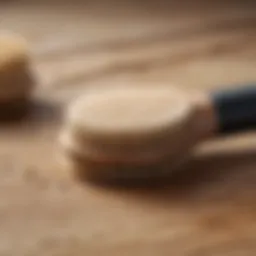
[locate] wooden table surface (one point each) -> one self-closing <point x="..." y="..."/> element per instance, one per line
<point x="209" y="209"/>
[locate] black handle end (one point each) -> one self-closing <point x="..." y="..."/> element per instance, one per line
<point x="236" y="109"/>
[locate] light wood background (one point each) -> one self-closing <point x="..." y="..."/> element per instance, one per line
<point x="209" y="209"/>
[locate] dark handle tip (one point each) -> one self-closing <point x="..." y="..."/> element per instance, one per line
<point x="236" y="109"/>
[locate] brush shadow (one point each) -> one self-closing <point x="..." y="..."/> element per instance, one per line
<point x="45" y="111"/>
<point x="37" y="113"/>
<point x="214" y="171"/>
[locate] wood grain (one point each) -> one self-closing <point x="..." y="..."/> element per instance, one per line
<point x="207" y="209"/>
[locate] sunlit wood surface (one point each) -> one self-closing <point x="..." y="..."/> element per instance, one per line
<point x="209" y="209"/>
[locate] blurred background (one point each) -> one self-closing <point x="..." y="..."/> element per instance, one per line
<point x="199" y="44"/>
<point x="202" y="45"/>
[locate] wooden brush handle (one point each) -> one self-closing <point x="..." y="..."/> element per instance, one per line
<point x="235" y="109"/>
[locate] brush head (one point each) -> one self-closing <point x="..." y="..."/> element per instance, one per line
<point x="128" y="130"/>
<point x="13" y="51"/>
<point x="16" y="81"/>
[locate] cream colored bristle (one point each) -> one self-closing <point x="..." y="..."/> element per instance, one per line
<point x="127" y="126"/>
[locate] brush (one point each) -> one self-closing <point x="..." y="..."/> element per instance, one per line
<point x="144" y="132"/>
